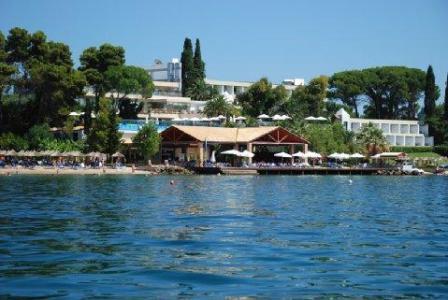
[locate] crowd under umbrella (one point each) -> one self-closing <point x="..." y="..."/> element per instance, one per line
<point x="299" y="154"/>
<point x="263" y="116"/>
<point x="118" y="155"/>
<point x="356" y="155"/>
<point x="246" y="153"/>
<point x="231" y="152"/>
<point x="283" y="155"/>
<point x="311" y="154"/>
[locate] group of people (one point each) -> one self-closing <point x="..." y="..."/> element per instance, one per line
<point x="59" y="163"/>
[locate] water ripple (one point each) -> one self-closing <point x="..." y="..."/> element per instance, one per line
<point x="234" y="237"/>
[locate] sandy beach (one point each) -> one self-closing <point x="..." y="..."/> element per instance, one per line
<point x="67" y="171"/>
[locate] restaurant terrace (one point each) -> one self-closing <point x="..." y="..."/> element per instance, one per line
<point x="198" y="143"/>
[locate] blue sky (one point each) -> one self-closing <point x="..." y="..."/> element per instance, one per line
<point x="245" y="40"/>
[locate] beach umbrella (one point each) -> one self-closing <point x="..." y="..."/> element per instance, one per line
<point x="30" y="153"/>
<point x="311" y="118"/>
<point x="334" y="155"/>
<point x="55" y="154"/>
<point x="213" y="156"/>
<point x="263" y="116"/>
<point x="11" y="153"/>
<point x="118" y="154"/>
<point x="3" y="152"/>
<point x="221" y="117"/>
<point x="21" y="153"/>
<point x="46" y="153"/>
<point x="215" y="119"/>
<point x="344" y="156"/>
<point x="240" y="118"/>
<point x="299" y="154"/>
<point x="356" y="155"/>
<point x="277" y="118"/>
<point x="283" y="155"/>
<point x="91" y="154"/>
<point x="246" y="153"/>
<point x="311" y="154"/>
<point x="74" y="114"/>
<point x="75" y="154"/>
<point x="285" y="117"/>
<point x="231" y="152"/>
<point x="321" y="119"/>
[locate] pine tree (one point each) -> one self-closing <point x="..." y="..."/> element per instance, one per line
<point x="430" y="98"/>
<point x="198" y="64"/>
<point x="187" y="65"/>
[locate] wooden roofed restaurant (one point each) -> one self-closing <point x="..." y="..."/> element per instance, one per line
<point x="200" y="143"/>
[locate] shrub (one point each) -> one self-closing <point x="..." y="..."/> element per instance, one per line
<point x="9" y="141"/>
<point x="409" y="149"/>
<point x="441" y="149"/>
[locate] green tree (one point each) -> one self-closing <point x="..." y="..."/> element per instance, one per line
<point x="200" y="91"/>
<point x="446" y="101"/>
<point x="198" y="64"/>
<point x="147" y="140"/>
<point x="121" y="81"/>
<point x="37" y="135"/>
<point x="6" y="70"/>
<point x="94" y="64"/>
<point x="113" y="135"/>
<point x="308" y="100"/>
<point x="104" y="135"/>
<point x="217" y="106"/>
<point x="392" y="92"/>
<point x="261" y="98"/>
<point x="347" y="87"/>
<point x="187" y="66"/>
<point x="129" y="109"/>
<point x="432" y="93"/>
<point x="371" y="139"/>
<point x="325" y="138"/>
<point x="10" y="141"/>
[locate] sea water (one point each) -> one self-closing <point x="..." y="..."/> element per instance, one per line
<point x="223" y="236"/>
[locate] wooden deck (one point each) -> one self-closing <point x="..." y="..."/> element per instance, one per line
<point x="285" y="171"/>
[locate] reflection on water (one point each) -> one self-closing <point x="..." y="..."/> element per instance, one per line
<point x="211" y="236"/>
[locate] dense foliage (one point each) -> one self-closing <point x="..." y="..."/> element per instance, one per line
<point x="104" y="135"/>
<point x="385" y="92"/>
<point x="147" y="140"/>
<point x="37" y="80"/>
<point x="372" y="139"/>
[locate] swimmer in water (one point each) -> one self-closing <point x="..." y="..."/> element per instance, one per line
<point x="171" y="182"/>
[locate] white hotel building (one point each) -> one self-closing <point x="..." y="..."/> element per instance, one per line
<point x="167" y="78"/>
<point x="397" y="132"/>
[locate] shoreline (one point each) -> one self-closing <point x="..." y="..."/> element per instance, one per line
<point x="52" y="171"/>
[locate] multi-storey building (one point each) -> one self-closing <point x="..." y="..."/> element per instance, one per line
<point x="168" y="82"/>
<point x="397" y="132"/>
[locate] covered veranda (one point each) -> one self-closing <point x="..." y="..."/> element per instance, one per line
<point x="198" y="143"/>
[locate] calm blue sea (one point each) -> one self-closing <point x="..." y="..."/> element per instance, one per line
<point x="218" y="236"/>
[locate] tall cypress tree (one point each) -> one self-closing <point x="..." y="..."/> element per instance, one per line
<point x="198" y="63"/>
<point x="187" y="66"/>
<point x="446" y="100"/>
<point x="430" y="98"/>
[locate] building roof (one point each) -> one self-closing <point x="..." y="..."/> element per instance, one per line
<point x="232" y="135"/>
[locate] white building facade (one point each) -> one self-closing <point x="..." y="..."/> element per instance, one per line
<point x="167" y="79"/>
<point x="397" y="132"/>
